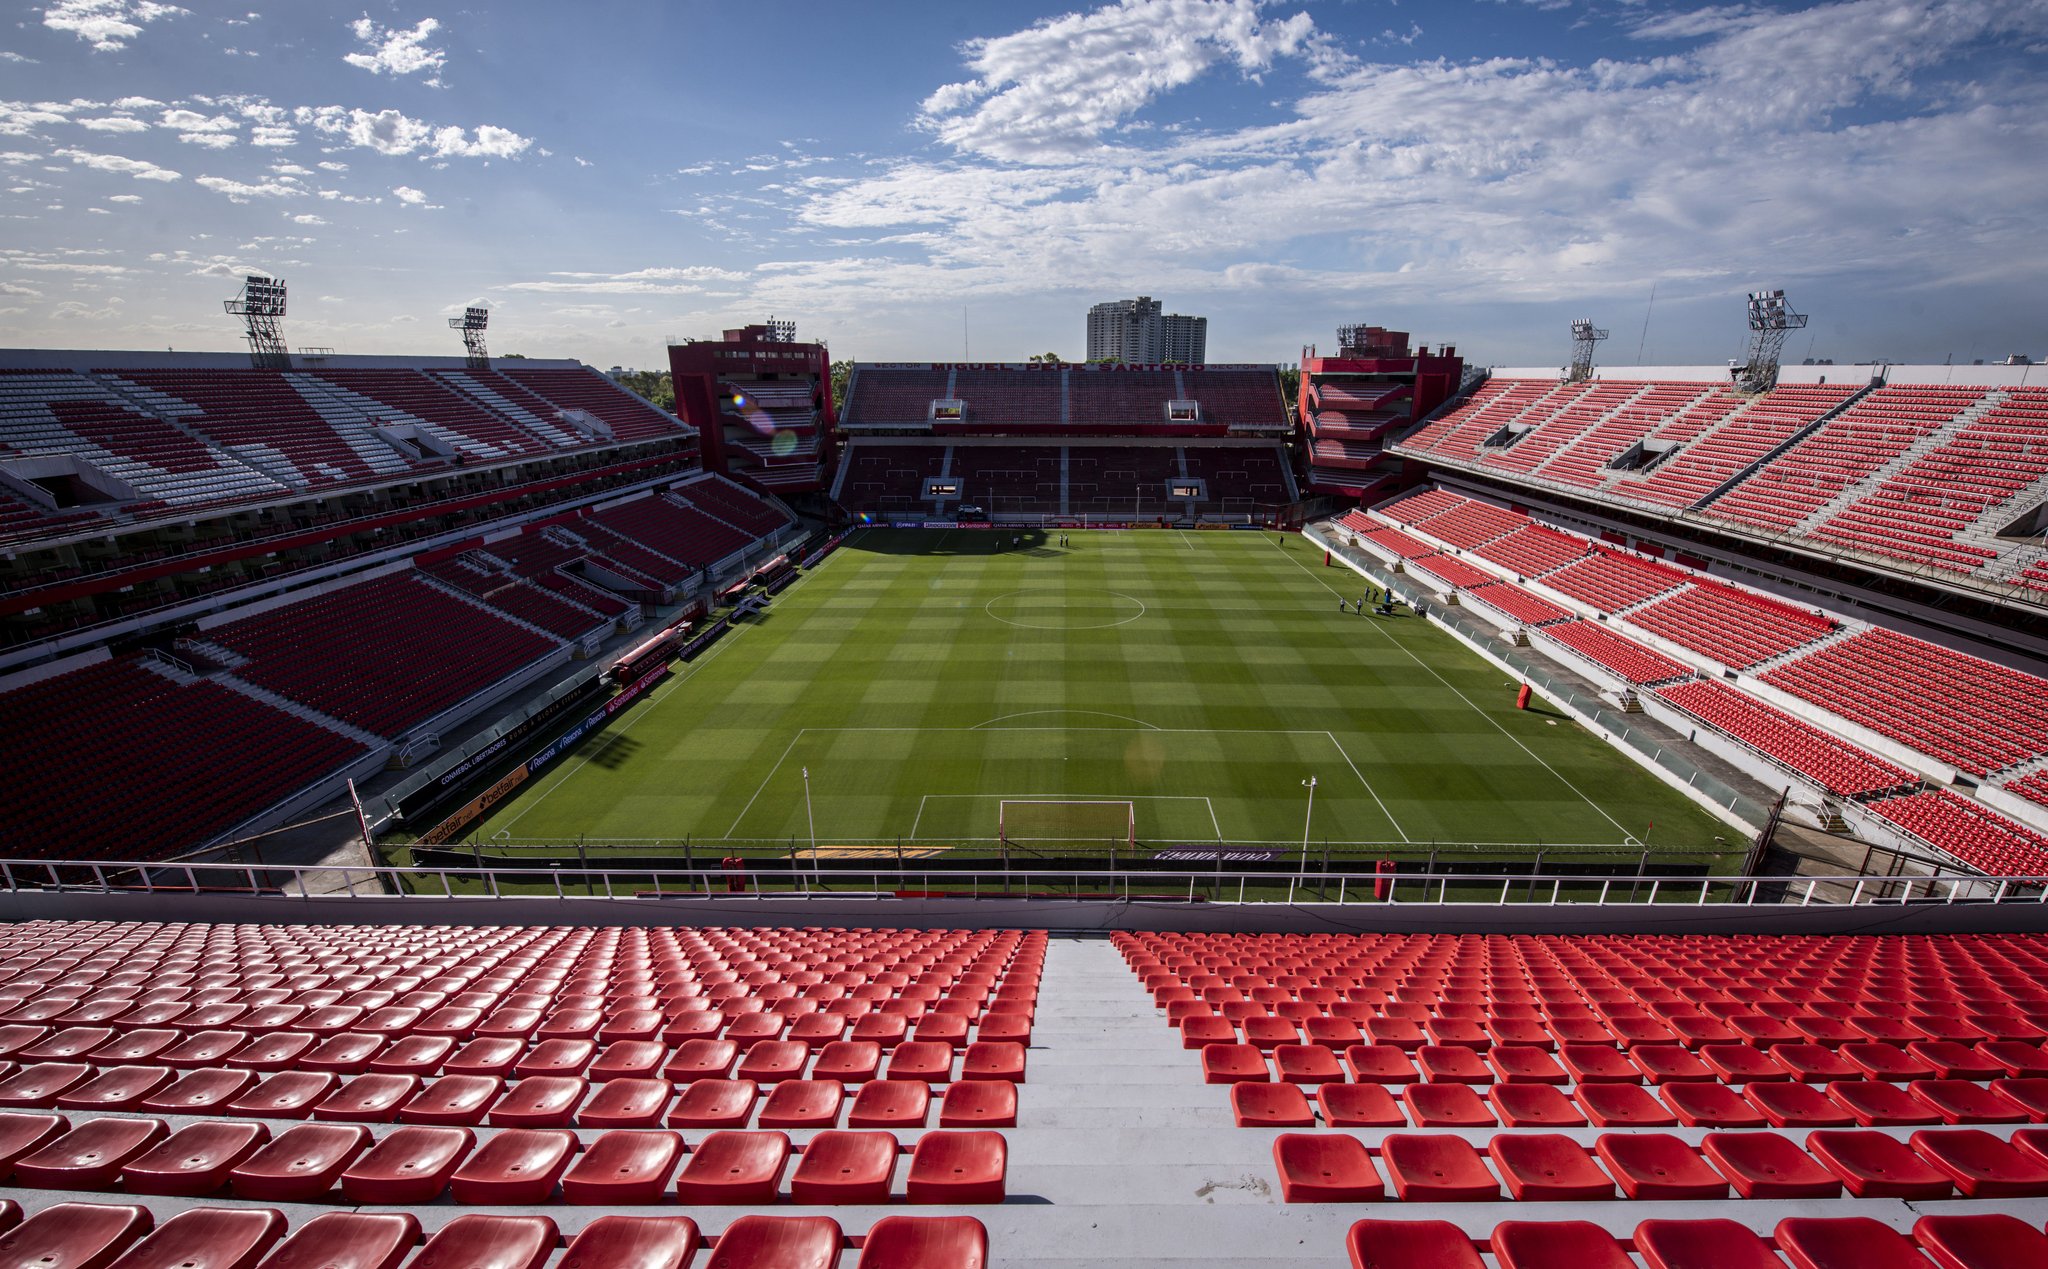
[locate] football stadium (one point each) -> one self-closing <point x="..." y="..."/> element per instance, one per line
<point x="1365" y="806"/>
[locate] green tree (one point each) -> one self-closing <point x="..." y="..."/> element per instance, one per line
<point x="1290" y="386"/>
<point x="654" y="385"/>
<point x="1048" y="359"/>
<point x="841" y="372"/>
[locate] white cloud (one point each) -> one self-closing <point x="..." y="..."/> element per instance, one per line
<point x="308" y="219"/>
<point x="107" y="25"/>
<point x="9" y="56"/>
<point x="396" y="52"/>
<point x="1771" y="144"/>
<point x="183" y="120"/>
<point x="125" y="198"/>
<point x="394" y="132"/>
<point x="408" y="195"/>
<point x="27" y="292"/>
<point x="1048" y="93"/>
<point x="207" y="140"/>
<point x="242" y="192"/>
<point x="290" y="169"/>
<point x="137" y="103"/>
<point x="663" y="280"/>
<point x="114" y="123"/>
<point x="331" y="166"/>
<point x="119" y="165"/>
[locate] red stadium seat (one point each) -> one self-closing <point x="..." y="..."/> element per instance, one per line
<point x="518" y="1166"/>
<point x="115" y="1088"/>
<point x="1437" y="1169"/>
<point x="1325" y="1168"/>
<point x="1548" y="1167"/>
<point x="958" y="1167"/>
<point x="925" y="1242"/>
<point x="540" y="1101"/>
<point x="774" y="1242"/>
<point x="1797" y="1106"/>
<point x="300" y="1164"/>
<point x="285" y="1095"/>
<point x="1981" y="1165"/>
<point x="348" y="1240"/>
<point x="623" y="1167"/>
<point x="207" y="1238"/>
<point x="626" y="1103"/>
<point x="1253" y="1106"/>
<point x="1534" y="1106"/>
<point x="1359" y="1106"/>
<point x="199" y="1092"/>
<point x="1766" y="1165"/>
<point x="715" y="1103"/>
<point x="1712" y="1106"/>
<point x="734" y="1167"/>
<point x="634" y="1242"/>
<point x="1703" y="1244"/>
<point x="1557" y="1245"/>
<point x="890" y="1104"/>
<point x="75" y="1235"/>
<point x="1877" y="1165"/>
<point x="802" y="1104"/>
<point x="458" y="1100"/>
<point x="368" y="1099"/>
<point x="1404" y="1244"/>
<point x="1980" y="1240"/>
<point x="1845" y="1242"/>
<point x="22" y="1134"/>
<point x="90" y="1156"/>
<point x="1658" y="1166"/>
<point x="194" y="1160"/>
<point x="845" y="1167"/>
<point x="412" y="1165"/>
<point x="492" y="1242"/>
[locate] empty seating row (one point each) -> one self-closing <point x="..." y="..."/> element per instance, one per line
<point x="1454" y="573"/>
<point x="1524" y="606"/>
<point x="1973" y="1240"/>
<point x="516" y="1166"/>
<point x="1392" y="1059"/>
<point x="1552" y="1167"/>
<point x="117" y="745"/>
<point x="1835" y="765"/>
<point x="1733" y="627"/>
<point x="1616" y="654"/>
<point x="105" y="1236"/>
<point x="1776" y="1104"/>
<point x="385" y="654"/>
<point x="1975" y="714"/>
<point x="1978" y="836"/>
<point x="1610" y="581"/>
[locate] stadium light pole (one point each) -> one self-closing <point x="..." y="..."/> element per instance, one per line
<point x="1310" y="785"/>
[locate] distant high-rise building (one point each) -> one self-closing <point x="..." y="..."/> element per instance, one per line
<point x="1137" y="331"/>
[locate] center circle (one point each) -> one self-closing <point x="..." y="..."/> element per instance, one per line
<point x="1064" y="610"/>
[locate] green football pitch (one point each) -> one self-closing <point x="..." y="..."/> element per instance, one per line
<point x="918" y="679"/>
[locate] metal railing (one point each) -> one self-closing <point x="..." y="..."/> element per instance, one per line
<point x="1195" y="885"/>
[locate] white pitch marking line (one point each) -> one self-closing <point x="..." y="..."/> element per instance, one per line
<point x="660" y="693"/>
<point x="1490" y="719"/>
<point x="764" y="782"/>
<point x="1368" y="788"/>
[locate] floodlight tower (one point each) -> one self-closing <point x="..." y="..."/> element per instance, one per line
<point x="1770" y="317"/>
<point x="261" y="308"/>
<point x="1584" y="336"/>
<point x="780" y="332"/>
<point x="472" y="324"/>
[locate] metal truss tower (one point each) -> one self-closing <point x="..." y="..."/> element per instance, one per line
<point x="261" y="307"/>
<point x="1584" y="336"/>
<point x="1770" y="318"/>
<point x="472" y="324"/>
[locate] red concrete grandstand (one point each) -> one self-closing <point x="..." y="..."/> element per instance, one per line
<point x="1030" y="443"/>
<point x="316" y="570"/>
<point x="1870" y="720"/>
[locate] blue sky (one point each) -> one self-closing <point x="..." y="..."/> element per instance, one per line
<point x="913" y="180"/>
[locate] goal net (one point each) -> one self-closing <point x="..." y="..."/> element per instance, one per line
<point x="1024" y="822"/>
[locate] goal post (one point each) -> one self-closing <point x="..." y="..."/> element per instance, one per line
<point x="1022" y="822"/>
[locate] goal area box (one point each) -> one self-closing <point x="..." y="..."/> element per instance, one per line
<point x="1026" y="821"/>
